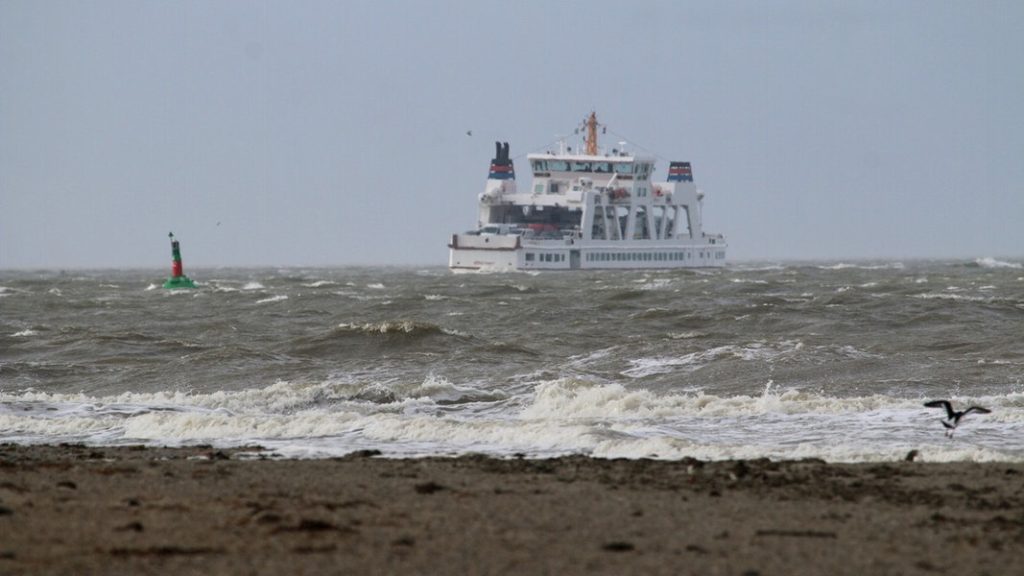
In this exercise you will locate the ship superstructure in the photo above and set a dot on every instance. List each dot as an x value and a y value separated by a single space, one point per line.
591 210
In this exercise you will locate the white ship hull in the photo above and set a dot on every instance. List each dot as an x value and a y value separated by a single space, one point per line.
510 253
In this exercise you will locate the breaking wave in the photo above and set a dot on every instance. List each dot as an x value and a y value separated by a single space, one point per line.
561 416
993 263
863 266
406 327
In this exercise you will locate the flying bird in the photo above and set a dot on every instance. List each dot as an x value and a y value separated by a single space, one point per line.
952 416
469 132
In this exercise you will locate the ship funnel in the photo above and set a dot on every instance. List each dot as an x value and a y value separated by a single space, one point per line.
501 165
680 172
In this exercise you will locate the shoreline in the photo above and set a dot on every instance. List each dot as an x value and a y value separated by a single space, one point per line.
119 510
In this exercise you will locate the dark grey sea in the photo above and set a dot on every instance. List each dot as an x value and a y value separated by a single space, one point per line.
829 359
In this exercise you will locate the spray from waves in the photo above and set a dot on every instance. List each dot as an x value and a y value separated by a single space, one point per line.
567 398
952 296
849 266
572 416
433 392
653 284
575 398
351 340
272 299
280 412
776 424
281 397
404 327
693 361
989 262
556 417
118 424
488 290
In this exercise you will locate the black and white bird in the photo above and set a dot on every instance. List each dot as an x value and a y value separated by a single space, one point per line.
952 416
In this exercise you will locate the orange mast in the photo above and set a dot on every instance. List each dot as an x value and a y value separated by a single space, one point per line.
591 140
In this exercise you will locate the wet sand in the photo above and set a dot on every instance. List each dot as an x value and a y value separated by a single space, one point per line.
83 510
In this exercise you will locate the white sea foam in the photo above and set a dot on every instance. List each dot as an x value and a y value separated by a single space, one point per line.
320 284
24 333
685 335
568 398
201 427
654 284
386 327
253 286
989 262
559 416
359 296
274 298
758 268
582 360
847 265
440 390
950 296
642 367
853 352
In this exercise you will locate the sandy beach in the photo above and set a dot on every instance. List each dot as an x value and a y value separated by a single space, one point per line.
82 510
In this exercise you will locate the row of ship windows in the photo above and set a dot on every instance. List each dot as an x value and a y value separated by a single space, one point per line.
649 256
545 257
626 256
641 191
643 168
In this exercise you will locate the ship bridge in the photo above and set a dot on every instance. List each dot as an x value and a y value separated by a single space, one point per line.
556 173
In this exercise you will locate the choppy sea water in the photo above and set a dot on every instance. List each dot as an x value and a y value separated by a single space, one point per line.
827 360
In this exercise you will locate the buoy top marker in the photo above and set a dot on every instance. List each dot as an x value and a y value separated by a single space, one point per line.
178 278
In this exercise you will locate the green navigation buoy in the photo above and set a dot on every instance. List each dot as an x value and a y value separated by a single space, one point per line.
177 279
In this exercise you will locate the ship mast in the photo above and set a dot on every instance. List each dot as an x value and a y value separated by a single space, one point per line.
591 140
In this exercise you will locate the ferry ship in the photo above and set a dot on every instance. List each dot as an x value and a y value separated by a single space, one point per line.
592 210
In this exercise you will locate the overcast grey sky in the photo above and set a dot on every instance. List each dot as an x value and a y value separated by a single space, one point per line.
318 133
